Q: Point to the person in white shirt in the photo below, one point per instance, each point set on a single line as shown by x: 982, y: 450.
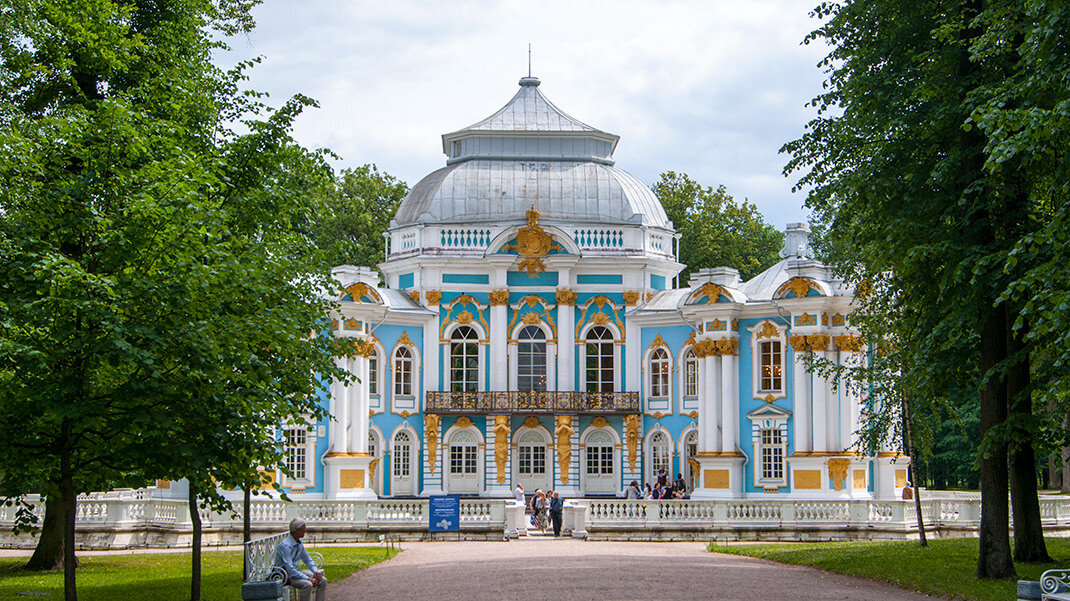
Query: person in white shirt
x: 519, y: 493
x: 287, y: 555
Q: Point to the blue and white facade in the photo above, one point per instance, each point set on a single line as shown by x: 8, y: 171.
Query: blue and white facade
x: 528, y: 330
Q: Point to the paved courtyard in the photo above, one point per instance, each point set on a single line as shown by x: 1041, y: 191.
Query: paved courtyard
x: 566, y: 569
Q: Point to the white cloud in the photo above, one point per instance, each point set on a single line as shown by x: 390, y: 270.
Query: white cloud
x: 712, y: 89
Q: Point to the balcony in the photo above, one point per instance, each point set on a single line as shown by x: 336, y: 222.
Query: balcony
x: 515, y: 401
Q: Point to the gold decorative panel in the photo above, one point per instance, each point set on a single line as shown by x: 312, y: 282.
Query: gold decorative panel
x: 715, y: 479
x: 900, y: 478
x: 807, y: 479
x: 859, y: 479
x: 351, y: 479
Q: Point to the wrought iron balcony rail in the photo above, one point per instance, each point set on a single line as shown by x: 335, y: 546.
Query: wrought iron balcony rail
x: 515, y: 401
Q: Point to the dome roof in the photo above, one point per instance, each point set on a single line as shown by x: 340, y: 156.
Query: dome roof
x: 565, y: 192
x: 530, y: 153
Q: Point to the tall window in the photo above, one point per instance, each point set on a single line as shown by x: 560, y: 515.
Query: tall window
x: 464, y: 360
x: 660, y: 453
x: 531, y: 359
x: 463, y: 448
x: 371, y: 444
x: 659, y: 373
x: 403, y: 372
x: 772, y: 456
x: 401, y: 456
x: 599, y: 453
x: 531, y: 455
x: 772, y: 370
x: 599, y: 347
x: 297, y: 452
x: 373, y: 374
x: 690, y: 374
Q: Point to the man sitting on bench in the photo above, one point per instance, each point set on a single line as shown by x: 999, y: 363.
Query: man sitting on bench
x: 288, y: 555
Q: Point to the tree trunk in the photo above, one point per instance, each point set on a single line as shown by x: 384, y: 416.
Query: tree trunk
x: 1066, y: 470
x: 195, y: 568
x: 70, y: 500
x: 994, y: 545
x: 913, y: 471
x: 48, y: 554
x: 246, y: 526
x: 1028, y: 530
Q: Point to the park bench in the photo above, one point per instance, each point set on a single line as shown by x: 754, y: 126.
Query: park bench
x: 264, y: 580
x: 1055, y: 585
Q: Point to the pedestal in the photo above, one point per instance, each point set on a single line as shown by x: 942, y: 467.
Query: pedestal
x: 349, y: 476
x: 720, y: 476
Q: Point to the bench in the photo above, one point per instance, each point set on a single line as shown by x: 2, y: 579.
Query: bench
x: 1055, y: 585
x: 264, y: 578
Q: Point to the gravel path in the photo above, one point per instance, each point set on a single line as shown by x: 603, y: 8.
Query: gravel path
x: 566, y: 569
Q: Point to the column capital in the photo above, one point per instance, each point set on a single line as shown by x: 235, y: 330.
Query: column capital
x: 848, y: 342
x: 566, y: 296
x: 631, y: 297
x: 499, y: 297
x: 433, y: 296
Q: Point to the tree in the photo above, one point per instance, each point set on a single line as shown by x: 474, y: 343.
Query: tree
x: 912, y: 175
x: 360, y: 204
x: 160, y: 305
x: 715, y: 230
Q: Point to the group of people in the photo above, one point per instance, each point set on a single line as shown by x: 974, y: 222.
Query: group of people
x: 662, y: 489
x: 546, y: 508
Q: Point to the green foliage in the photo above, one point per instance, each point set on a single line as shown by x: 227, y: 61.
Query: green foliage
x: 945, y: 568
x: 360, y: 203
x: 716, y: 231
x: 154, y: 576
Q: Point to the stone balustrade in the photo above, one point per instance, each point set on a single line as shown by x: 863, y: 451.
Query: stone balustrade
x: 131, y: 520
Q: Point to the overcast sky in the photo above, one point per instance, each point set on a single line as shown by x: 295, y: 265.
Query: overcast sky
x: 711, y: 89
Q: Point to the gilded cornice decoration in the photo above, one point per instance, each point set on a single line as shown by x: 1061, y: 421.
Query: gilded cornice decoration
x: 658, y: 341
x: 631, y: 425
x: 499, y: 297
x: 531, y: 422
x: 334, y: 324
x: 405, y: 340
x: 631, y: 297
x: 460, y: 301
x: 464, y: 422
x: 600, y: 302
x: 727, y: 346
x: 464, y: 318
x: 565, y: 296
x: 797, y: 286
x: 838, y: 471
x: 717, y: 326
x: 531, y: 266
x: 531, y: 318
x: 711, y: 291
x: 532, y: 240
x: 690, y: 338
x: 415, y: 296
x: 359, y: 290
x: 563, y: 432
x: 352, y: 323
x: 809, y: 343
x: 735, y: 324
x: 848, y: 342
x: 600, y: 318
x: 431, y: 422
x: 364, y: 348
x: 824, y: 319
x: 433, y: 297
x: 599, y: 422
x: 501, y: 445
x: 838, y: 320
x: 768, y: 331
x: 805, y: 320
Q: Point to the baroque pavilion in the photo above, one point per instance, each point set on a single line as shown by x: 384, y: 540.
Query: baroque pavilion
x: 529, y: 331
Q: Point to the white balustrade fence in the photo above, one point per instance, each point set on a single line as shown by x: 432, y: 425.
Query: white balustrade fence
x: 601, y: 518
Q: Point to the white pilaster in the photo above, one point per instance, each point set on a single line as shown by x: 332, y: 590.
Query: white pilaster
x: 729, y: 403
x: 359, y: 402
x: 429, y: 362
x: 336, y: 405
x: 820, y: 409
x: 801, y: 403
x: 633, y: 355
x: 710, y: 405
x: 499, y: 367
x: 566, y: 348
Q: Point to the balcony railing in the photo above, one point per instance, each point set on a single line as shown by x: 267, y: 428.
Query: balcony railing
x: 515, y: 401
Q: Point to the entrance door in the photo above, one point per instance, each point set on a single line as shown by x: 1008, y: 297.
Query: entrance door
x: 689, y: 469
x: 600, y: 466
x: 401, y: 476
x: 531, y: 467
x: 463, y: 464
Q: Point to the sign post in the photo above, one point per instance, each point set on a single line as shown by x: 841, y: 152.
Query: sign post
x: 445, y: 513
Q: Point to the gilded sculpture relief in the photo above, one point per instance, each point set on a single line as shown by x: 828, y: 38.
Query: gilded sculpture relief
x: 431, y: 421
x: 501, y: 445
x: 563, y: 433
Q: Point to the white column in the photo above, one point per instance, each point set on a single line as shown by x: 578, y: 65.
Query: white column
x: 633, y: 355
x: 710, y: 405
x: 729, y: 403
x: 429, y: 360
x: 835, y: 407
x: 358, y: 407
x: 339, y: 410
x: 499, y: 366
x: 566, y: 348
x: 820, y: 409
x: 801, y: 405
x: 849, y: 409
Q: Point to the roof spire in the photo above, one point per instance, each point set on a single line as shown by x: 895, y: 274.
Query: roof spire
x: 529, y: 59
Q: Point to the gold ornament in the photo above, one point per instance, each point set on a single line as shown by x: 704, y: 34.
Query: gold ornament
x: 501, y: 445
x: 565, y: 296
x: 433, y: 296
x: 631, y: 423
x: 360, y: 290
x: 848, y: 343
x: 531, y: 240
x: 531, y: 318
x: 631, y: 297
x: 838, y: 471
x: 464, y: 318
x: 797, y: 286
x: 532, y: 266
x: 499, y: 297
x: 431, y: 422
x: 768, y: 331
x: 563, y: 431
x: 805, y: 320
x: 415, y: 296
x: 600, y: 318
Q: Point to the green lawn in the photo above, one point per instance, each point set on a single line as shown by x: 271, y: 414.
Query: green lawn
x: 945, y: 568
x: 160, y: 576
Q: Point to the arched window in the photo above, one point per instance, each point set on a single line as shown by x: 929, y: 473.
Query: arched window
x: 401, y: 459
x: 690, y: 374
x: 373, y: 375
x: 660, y: 454
x: 531, y: 359
x: 659, y: 373
x: 771, y: 360
x: 599, y: 453
x: 599, y: 368
x: 464, y: 360
x: 403, y: 372
x: 463, y: 449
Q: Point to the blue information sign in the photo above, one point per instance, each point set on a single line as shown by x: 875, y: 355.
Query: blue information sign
x: 445, y: 514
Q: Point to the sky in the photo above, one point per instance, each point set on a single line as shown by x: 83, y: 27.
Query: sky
x: 712, y: 89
